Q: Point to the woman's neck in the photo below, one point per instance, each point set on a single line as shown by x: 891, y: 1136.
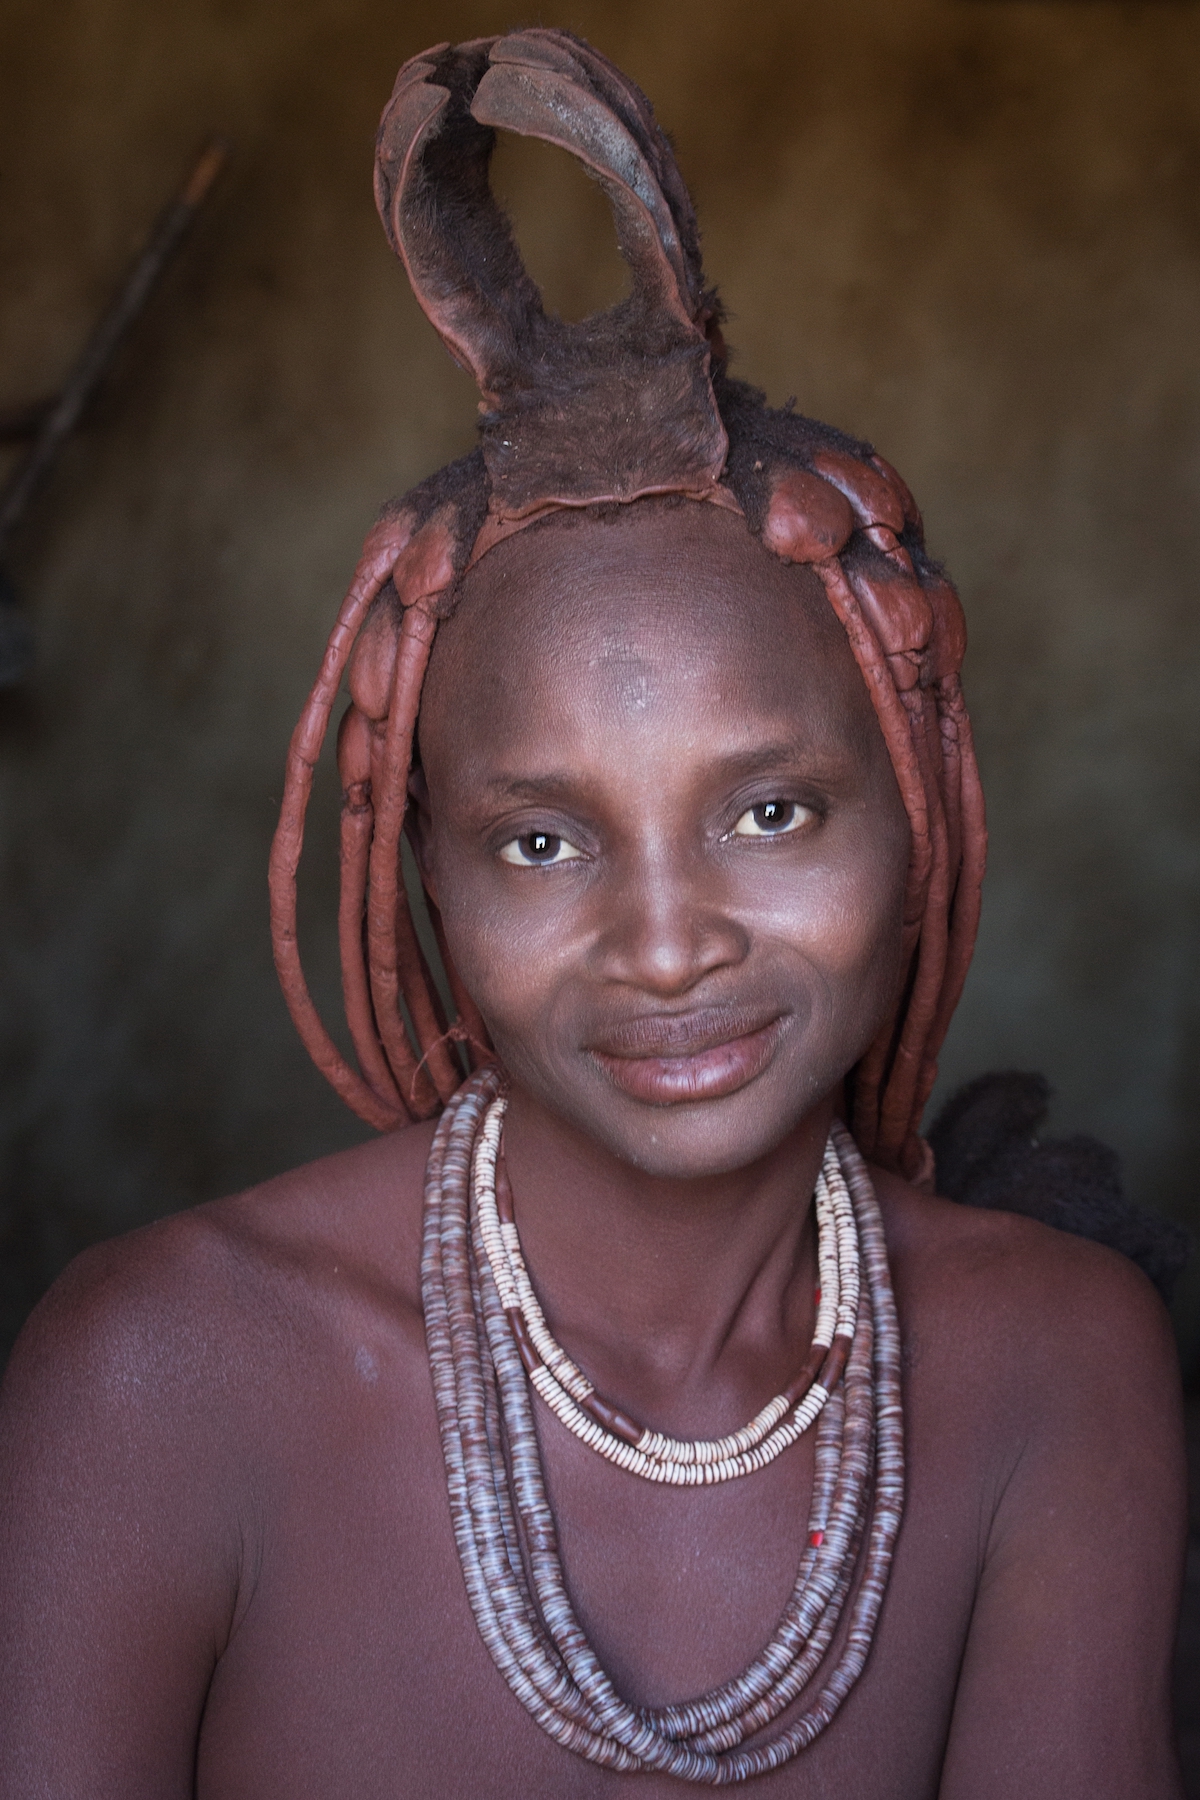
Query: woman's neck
x: 690, y: 1301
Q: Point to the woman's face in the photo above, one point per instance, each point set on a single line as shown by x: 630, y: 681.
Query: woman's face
x: 661, y: 824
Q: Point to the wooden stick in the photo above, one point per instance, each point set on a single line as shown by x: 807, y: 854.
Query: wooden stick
x: 63, y: 416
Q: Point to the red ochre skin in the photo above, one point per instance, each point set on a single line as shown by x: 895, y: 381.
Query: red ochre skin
x: 226, y: 1565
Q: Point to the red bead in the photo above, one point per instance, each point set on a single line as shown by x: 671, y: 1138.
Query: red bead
x: 816, y: 1539
x: 817, y: 1291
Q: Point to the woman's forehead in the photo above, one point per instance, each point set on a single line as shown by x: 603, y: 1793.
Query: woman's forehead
x: 664, y: 604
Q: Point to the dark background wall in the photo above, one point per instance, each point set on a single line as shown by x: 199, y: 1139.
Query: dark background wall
x: 967, y: 230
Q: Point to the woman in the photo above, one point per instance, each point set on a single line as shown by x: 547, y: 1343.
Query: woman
x: 426, y: 1469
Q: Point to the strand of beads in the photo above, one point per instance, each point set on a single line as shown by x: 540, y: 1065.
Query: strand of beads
x: 605, y: 1428
x: 505, y: 1531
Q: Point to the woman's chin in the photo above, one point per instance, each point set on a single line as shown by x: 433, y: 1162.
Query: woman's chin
x: 690, y: 1138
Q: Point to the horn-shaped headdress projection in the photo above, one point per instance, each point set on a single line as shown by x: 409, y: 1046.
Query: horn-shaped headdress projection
x: 630, y: 403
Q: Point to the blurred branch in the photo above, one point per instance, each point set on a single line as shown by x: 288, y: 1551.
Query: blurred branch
x: 50, y: 422
x: 63, y: 416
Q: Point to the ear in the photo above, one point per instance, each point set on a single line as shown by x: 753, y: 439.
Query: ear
x: 418, y: 827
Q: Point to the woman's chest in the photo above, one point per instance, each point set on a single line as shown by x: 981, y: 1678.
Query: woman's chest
x: 358, y: 1666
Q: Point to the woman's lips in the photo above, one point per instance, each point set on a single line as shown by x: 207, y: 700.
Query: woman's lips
x: 703, y: 1069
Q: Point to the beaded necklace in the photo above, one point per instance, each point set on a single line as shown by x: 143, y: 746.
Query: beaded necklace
x: 483, y: 1362
x: 574, y: 1401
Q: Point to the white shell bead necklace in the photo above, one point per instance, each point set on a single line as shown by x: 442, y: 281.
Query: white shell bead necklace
x: 480, y: 1354
x: 573, y: 1400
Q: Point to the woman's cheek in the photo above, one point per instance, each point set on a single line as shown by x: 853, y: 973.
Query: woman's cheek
x: 506, y: 953
x: 839, y: 914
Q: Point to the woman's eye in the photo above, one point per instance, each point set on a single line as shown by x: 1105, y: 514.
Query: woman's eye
x: 538, y: 849
x: 772, y: 818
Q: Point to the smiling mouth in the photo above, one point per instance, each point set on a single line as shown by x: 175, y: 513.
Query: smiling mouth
x: 666, y: 1059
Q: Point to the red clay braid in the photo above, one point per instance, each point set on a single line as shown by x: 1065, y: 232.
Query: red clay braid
x: 632, y: 403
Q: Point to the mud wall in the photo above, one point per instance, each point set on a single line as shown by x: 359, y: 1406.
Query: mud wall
x: 969, y: 231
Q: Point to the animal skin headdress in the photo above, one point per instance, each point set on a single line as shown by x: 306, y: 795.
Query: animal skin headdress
x: 632, y: 402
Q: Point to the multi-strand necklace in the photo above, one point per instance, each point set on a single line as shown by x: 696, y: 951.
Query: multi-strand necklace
x: 490, y: 1344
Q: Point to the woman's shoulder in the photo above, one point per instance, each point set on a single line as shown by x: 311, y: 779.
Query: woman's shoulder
x: 196, y: 1300
x: 1022, y: 1302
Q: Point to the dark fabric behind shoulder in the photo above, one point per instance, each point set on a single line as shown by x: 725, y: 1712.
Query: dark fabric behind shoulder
x: 988, y: 1152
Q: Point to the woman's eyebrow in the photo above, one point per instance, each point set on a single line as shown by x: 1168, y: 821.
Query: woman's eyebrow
x: 552, y: 785
x: 793, y: 754
x: 790, y: 755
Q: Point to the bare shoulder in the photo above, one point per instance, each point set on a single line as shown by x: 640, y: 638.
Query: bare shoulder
x: 1045, y: 1316
x: 196, y: 1301
x: 1012, y: 1270
x: 1044, y: 1435
x: 181, y: 1388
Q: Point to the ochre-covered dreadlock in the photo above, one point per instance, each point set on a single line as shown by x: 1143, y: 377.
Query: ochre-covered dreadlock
x: 632, y: 402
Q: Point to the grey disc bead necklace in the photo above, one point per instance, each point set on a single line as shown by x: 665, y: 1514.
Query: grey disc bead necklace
x: 490, y: 1351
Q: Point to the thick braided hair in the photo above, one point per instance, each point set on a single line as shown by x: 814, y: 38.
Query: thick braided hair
x: 601, y: 413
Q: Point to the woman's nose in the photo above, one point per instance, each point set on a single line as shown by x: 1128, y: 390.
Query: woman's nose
x: 666, y: 927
